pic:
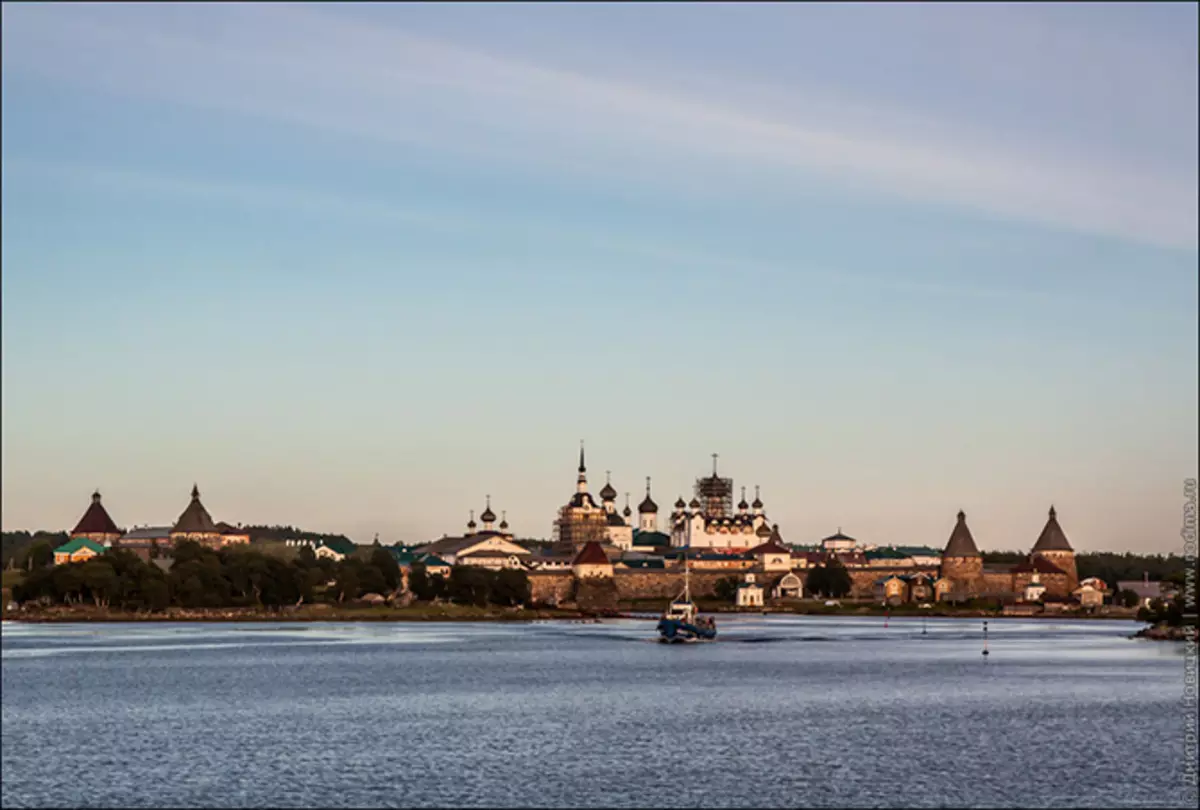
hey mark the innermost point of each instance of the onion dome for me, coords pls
(742, 503)
(680, 503)
(764, 530)
(627, 512)
(648, 506)
(695, 503)
(488, 515)
(608, 494)
(471, 521)
(758, 504)
(503, 521)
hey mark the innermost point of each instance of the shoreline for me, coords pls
(459, 613)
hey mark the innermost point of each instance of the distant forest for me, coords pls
(1111, 566)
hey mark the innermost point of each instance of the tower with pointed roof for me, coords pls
(962, 564)
(1052, 546)
(96, 525)
(195, 523)
(581, 519)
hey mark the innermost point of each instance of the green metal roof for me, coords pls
(339, 545)
(885, 554)
(76, 543)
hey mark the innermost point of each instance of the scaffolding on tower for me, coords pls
(715, 493)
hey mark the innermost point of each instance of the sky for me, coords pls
(353, 268)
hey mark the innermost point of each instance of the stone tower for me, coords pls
(1053, 547)
(961, 561)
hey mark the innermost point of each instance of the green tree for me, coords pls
(837, 579)
(1127, 598)
(348, 585)
(469, 585)
(510, 588)
(725, 588)
(389, 570)
(40, 555)
(100, 579)
(817, 581)
(418, 582)
(156, 594)
(306, 558)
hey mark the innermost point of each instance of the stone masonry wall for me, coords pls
(550, 587)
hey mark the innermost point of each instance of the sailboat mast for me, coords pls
(687, 587)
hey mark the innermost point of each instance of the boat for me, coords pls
(681, 622)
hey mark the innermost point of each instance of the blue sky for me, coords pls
(354, 267)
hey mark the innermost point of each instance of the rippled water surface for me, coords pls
(781, 712)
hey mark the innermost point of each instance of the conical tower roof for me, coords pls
(195, 518)
(961, 544)
(96, 520)
(1052, 537)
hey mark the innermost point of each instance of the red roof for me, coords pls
(770, 547)
(590, 554)
(1039, 564)
(96, 520)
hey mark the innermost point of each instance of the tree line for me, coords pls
(201, 577)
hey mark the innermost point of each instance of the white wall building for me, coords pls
(709, 520)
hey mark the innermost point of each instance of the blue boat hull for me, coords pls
(674, 630)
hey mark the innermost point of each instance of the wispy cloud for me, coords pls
(123, 182)
(318, 69)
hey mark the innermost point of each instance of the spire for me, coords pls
(195, 492)
(581, 481)
(96, 496)
(714, 455)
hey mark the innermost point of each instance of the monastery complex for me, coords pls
(598, 547)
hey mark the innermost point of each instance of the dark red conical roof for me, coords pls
(96, 520)
(1052, 537)
(590, 554)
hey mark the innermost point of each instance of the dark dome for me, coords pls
(763, 531)
(488, 515)
(679, 504)
(742, 504)
(648, 506)
(608, 493)
(695, 504)
(757, 502)
(626, 511)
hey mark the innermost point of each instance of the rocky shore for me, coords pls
(1162, 632)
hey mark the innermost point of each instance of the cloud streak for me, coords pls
(317, 69)
(122, 181)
